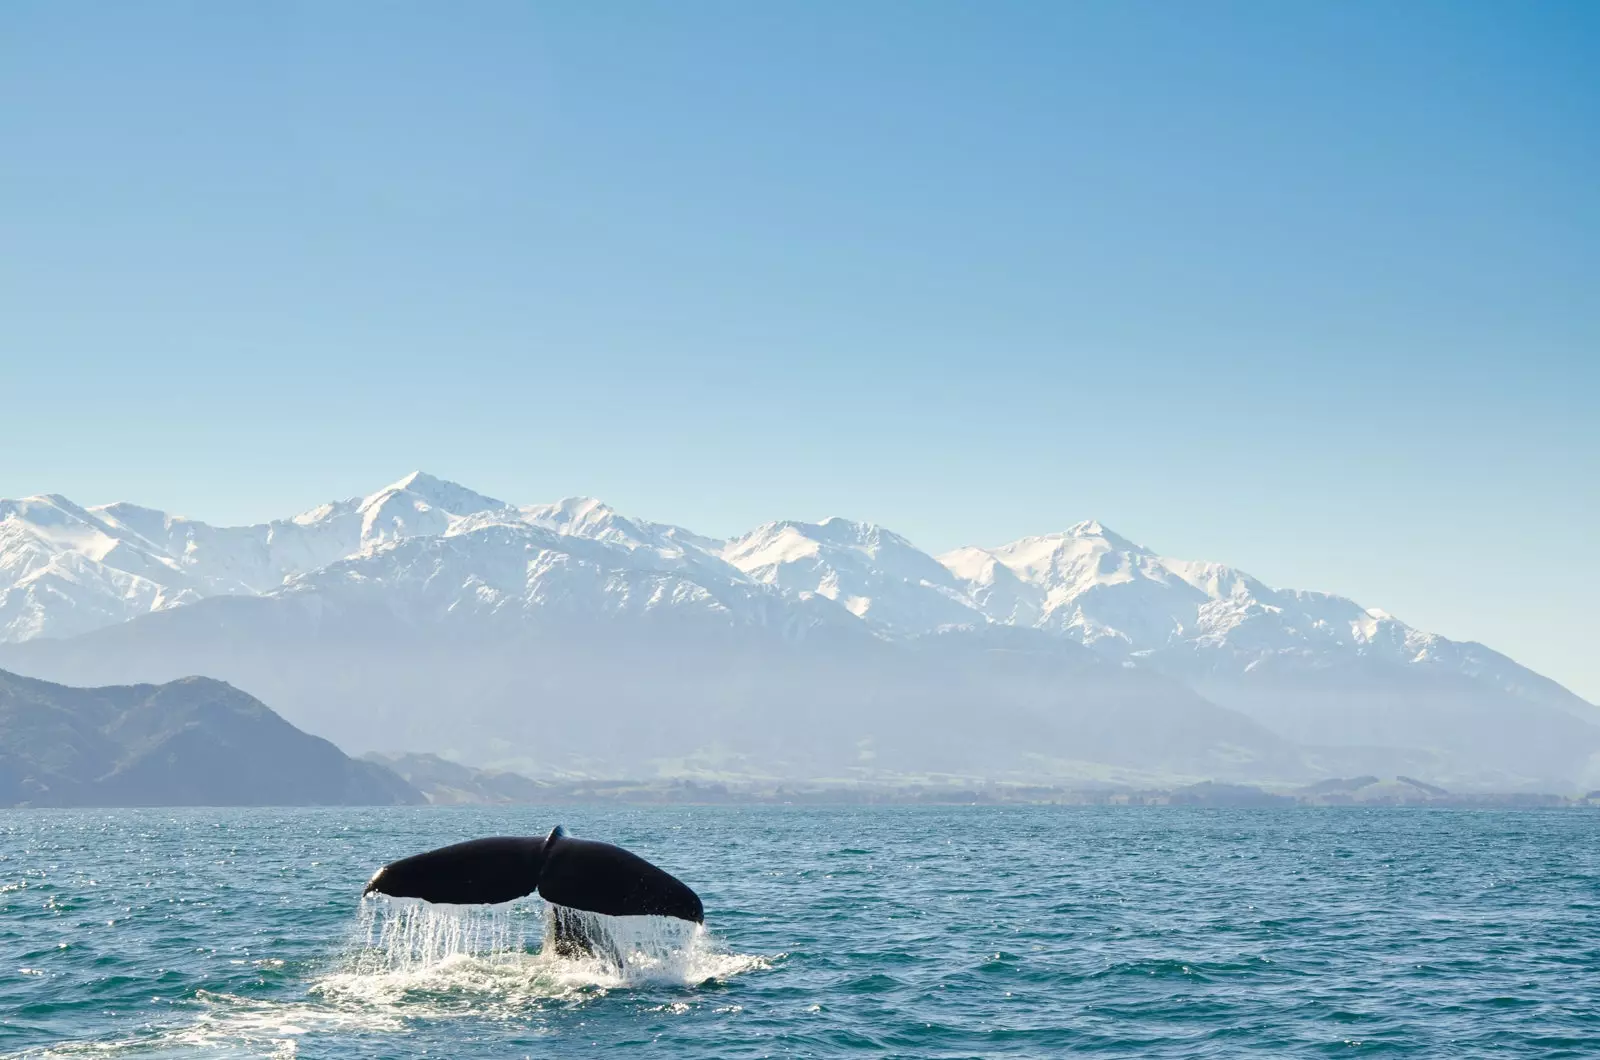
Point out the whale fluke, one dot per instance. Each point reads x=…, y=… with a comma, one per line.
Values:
x=477, y=872
x=601, y=878
x=576, y=873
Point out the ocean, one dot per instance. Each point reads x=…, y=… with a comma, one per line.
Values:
x=874, y=931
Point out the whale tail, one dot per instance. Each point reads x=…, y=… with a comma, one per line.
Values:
x=576, y=873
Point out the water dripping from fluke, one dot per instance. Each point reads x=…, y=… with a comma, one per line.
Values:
x=406, y=936
x=521, y=950
x=632, y=946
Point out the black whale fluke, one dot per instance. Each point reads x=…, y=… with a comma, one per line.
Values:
x=577, y=873
x=477, y=872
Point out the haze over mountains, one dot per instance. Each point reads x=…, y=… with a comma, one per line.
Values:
x=568, y=638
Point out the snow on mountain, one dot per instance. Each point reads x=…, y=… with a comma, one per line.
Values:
x=239, y=560
x=1087, y=582
x=876, y=574
x=419, y=505
x=495, y=568
x=598, y=521
x=670, y=546
x=65, y=570
x=426, y=545
x=426, y=593
x=994, y=588
x=1111, y=594
x=1318, y=668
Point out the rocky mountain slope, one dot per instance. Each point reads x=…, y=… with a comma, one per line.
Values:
x=193, y=742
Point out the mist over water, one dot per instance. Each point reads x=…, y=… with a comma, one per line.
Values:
x=896, y=931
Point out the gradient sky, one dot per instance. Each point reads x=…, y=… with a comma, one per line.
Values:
x=1308, y=288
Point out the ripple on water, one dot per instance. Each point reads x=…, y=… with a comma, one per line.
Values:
x=406, y=964
x=1114, y=933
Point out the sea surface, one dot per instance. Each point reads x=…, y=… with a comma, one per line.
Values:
x=917, y=932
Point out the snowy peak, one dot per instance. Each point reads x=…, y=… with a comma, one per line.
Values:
x=36, y=530
x=770, y=546
x=835, y=539
x=869, y=537
x=394, y=514
x=1076, y=554
x=1094, y=530
x=148, y=523
x=419, y=505
x=578, y=516
x=875, y=573
x=64, y=569
x=444, y=495
x=1104, y=591
x=589, y=518
x=666, y=545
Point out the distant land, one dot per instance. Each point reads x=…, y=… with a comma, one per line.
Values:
x=450, y=783
x=193, y=742
x=200, y=742
x=568, y=641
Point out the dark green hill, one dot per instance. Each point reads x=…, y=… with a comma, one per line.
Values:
x=193, y=742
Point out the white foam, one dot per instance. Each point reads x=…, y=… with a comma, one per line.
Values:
x=407, y=960
x=405, y=947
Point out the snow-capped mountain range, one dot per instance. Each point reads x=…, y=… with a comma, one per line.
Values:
x=1313, y=668
x=66, y=569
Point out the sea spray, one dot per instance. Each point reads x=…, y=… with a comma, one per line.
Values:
x=634, y=947
x=403, y=949
x=405, y=935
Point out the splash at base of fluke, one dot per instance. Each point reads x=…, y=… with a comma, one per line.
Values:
x=621, y=942
x=405, y=937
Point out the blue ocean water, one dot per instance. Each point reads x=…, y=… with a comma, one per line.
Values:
x=917, y=932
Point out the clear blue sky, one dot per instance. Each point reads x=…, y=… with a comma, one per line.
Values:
x=1310, y=288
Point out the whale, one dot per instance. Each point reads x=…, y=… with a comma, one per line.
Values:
x=569, y=873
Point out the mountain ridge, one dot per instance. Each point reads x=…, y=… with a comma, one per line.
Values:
x=190, y=742
x=431, y=555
